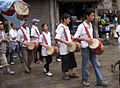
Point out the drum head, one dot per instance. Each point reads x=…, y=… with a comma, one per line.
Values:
x=50, y=50
x=72, y=48
x=95, y=43
x=31, y=45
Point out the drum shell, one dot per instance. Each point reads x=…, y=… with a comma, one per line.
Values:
x=55, y=51
x=32, y=45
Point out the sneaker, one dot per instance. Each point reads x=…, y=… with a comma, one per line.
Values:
x=12, y=63
x=39, y=62
x=49, y=74
x=1, y=66
x=11, y=72
x=58, y=60
x=112, y=68
x=85, y=83
x=74, y=75
x=1, y=72
x=65, y=77
x=102, y=84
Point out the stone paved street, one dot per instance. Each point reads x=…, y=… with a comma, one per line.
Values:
x=37, y=78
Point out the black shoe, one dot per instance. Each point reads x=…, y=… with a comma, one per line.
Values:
x=74, y=75
x=66, y=77
x=30, y=68
x=27, y=72
x=112, y=68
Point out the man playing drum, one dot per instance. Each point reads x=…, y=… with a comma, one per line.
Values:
x=82, y=35
x=68, y=59
x=23, y=38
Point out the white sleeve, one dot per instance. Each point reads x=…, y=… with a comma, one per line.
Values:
x=18, y=37
x=32, y=31
x=118, y=28
x=11, y=33
x=78, y=32
x=41, y=38
x=59, y=34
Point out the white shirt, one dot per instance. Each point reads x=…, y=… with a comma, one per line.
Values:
x=81, y=32
x=118, y=30
x=34, y=33
x=61, y=35
x=13, y=33
x=41, y=40
x=21, y=37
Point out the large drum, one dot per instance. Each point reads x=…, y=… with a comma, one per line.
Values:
x=52, y=50
x=96, y=46
x=75, y=47
x=32, y=45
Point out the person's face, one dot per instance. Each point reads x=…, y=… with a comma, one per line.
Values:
x=45, y=27
x=67, y=21
x=91, y=17
x=25, y=24
x=20, y=17
x=1, y=26
x=13, y=26
x=36, y=23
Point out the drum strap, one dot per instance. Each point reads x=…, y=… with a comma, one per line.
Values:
x=87, y=31
x=45, y=39
x=24, y=34
x=37, y=32
x=65, y=34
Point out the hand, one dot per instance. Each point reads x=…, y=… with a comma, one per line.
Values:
x=88, y=40
x=46, y=47
x=68, y=43
x=5, y=40
x=26, y=44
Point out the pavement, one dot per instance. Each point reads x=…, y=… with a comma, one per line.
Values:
x=38, y=79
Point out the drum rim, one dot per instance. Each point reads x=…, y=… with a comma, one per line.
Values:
x=70, y=48
x=29, y=46
x=93, y=46
x=51, y=52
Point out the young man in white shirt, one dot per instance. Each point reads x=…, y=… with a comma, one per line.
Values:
x=68, y=59
x=35, y=34
x=23, y=38
x=82, y=35
x=13, y=44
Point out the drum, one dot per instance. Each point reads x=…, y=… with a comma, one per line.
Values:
x=96, y=46
x=75, y=47
x=52, y=50
x=32, y=45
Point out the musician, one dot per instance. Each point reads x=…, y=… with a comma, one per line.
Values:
x=23, y=38
x=68, y=59
x=45, y=42
x=3, y=41
x=85, y=38
x=35, y=34
x=14, y=11
x=13, y=44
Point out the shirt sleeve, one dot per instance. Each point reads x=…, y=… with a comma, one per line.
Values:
x=59, y=34
x=41, y=38
x=32, y=31
x=18, y=37
x=118, y=28
x=78, y=32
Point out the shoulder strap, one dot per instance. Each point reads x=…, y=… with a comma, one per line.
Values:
x=37, y=32
x=87, y=31
x=24, y=34
x=65, y=34
x=45, y=39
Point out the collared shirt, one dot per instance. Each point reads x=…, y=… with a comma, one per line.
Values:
x=4, y=6
x=2, y=44
x=61, y=35
x=42, y=40
x=13, y=33
x=21, y=36
x=118, y=29
x=81, y=32
x=34, y=33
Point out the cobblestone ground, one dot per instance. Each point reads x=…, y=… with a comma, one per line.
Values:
x=37, y=78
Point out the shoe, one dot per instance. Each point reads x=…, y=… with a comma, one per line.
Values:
x=1, y=66
x=44, y=69
x=12, y=63
x=58, y=60
x=85, y=83
x=39, y=62
x=74, y=75
x=65, y=77
x=30, y=68
x=112, y=68
x=11, y=72
x=49, y=74
x=102, y=84
x=27, y=72
x=1, y=72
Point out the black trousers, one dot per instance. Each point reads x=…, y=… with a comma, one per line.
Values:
x=48, y=61
x=68, y=62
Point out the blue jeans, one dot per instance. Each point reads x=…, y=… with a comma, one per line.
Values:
x=19, y=53
x=86, y=56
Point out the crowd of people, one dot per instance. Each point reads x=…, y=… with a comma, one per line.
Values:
x=18, y=41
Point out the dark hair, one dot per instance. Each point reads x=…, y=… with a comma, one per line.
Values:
x=65, y=16
x=43, y=25
x=11, y=24
x=25, y=20
x=88, y=12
